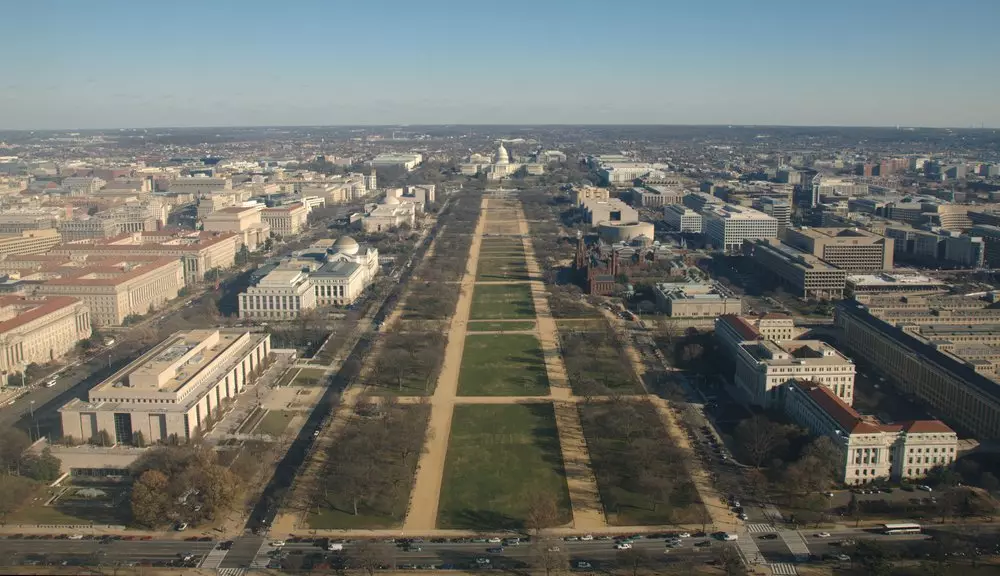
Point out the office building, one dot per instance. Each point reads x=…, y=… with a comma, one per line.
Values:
x=199, y=186
x=696, y=300
x=115, y=288
x=727, y=227
x=14, y=223
x=697, y=201
x=852, y=249
x=801, y=273
x=281, y=295
x=39, y=330
x=870, y=449
x=584, y=193
x=655, y=196
x=408, y=161
x=682, y=219
x=87, y=228
x=612, y=210
x=171, y=390
x=244, y=221
x=29, y=242
x=616, y=232
x=286, y=220
x=892, y=283
x=952, y=368
x=778, y=208
x=990, y=236
x=199, y=252
x=765, y=367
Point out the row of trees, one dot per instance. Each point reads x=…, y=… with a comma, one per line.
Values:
x=636, y=461
x=181, y=483
x=595, y=362
x=371, y=465
x=408, y=360
x=22, y=471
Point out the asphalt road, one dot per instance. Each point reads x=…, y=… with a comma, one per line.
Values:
x=597, y=552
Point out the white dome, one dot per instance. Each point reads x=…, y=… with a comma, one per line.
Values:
x=346, y=245
x=502, y=156
x=390, y=200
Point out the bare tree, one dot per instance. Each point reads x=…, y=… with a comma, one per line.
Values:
x=758, y=438
x=548, y=556
x=372, y=557
x=542, y=512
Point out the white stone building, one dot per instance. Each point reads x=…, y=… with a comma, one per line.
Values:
x=389, y=214
x=281, y=295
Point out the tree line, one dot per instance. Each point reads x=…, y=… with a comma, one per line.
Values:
x=371, y=464
x=409, y=360
x=22, y=472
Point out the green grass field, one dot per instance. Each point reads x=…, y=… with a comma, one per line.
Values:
x=504, y=268
x=274, y=423
x=493, y=301
x=502, y=365
x=486, y=326
x=498, y=458
x=596, y=366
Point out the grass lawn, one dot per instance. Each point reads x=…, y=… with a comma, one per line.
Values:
x=310, y=377
x=502, y=365
x=274, y=423
x=287, y=377
x=502, y=269
x=490, y=302
x=73, y=511
x=500, y=326
x=498, y=457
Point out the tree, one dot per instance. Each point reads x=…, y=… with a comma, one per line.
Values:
x=542, y=512
x=14, y=492
x=728, y=556
x=548, y=557
x=103, y=438
x=758, y=437
x=872, y=558
x=371, y=557
x=632, y=559
x=139, y=439
x=150, y=499
x=13, y=443
x=854, y=509
x=44, y=467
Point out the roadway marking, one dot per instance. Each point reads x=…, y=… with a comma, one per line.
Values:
x=783, y=569
x=213, y=559
x=232, y=571
x=259, y=562
x=760, y=528
x=795, y=542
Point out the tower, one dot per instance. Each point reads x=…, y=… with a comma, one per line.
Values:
x=371, y=183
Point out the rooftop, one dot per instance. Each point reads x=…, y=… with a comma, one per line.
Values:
x=891, y=279
x=16, y=311
x=852, y=422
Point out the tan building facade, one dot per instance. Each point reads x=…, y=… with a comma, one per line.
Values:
x=764, y=367
x=39, y=330
x=851, y=249
x=114, y=289
x=286, y=220
x=281, y=295
x=170, y=390
x=30, y=241
x=242, y=220
x=871, y=450
x=804, y=274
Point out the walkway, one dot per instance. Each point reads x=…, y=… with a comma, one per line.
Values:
x=425, y=497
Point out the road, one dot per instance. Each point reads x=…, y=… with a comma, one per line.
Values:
x=597, y=552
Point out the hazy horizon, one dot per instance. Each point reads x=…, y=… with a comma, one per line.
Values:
x=115, y=64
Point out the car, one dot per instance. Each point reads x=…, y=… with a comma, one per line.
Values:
x=511, y=542
x=925, y=488
x=829, y=494
x=553, y=549
x=495, y=550
x=674, y=544
x=586, y=538
x=684, y=535
x=495, y=540
x=623, y=546
x=843, y=557
x=571, y=538
x=769, y=537
x=703, y=544
x=76, y=536
x=50, y=383
x=482, y=561
x=186, y=556
x=181, y=526
x=277, y=543
x=228, y=544
x=743, y=516
x=583, y=565
x=822, y=535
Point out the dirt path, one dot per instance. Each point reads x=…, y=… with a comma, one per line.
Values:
x=585, y=499
x=424, y=499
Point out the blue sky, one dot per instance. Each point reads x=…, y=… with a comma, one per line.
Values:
x=137, y=63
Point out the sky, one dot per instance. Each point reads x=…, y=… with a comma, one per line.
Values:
x=155, y=63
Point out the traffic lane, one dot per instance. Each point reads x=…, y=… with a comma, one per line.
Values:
x=115, y=546
x=773, y=549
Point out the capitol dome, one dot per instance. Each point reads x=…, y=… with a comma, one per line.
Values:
x=346, y=245
x=391, y=200
x=502, y=156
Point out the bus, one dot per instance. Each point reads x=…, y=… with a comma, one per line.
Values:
x=906, y=528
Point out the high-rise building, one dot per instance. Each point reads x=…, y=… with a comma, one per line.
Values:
x=727, y=227
x=802, y=273
x=777, y=208
x=847, y=248
x=682, y=219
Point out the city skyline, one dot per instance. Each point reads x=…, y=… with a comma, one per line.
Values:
x=118, y=65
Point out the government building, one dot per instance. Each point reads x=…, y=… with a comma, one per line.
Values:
x=170, y=390
x=39, y=330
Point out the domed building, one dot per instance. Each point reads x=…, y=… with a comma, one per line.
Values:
x=499, y=166
x=389, y=214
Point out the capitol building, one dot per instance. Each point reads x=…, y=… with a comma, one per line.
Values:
x=499, y=166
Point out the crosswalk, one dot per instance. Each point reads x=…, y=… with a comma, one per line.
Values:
x=213, y=559
x=783, y=569
x=232, y=571
x=760, y=528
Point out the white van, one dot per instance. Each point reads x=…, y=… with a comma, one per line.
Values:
x=331, y=547
x=729, y=536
